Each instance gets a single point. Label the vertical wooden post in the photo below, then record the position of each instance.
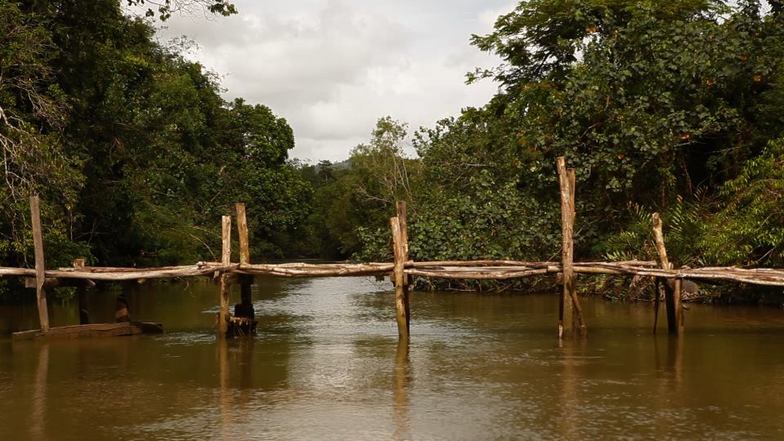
(121, 308)
(677, 292)
(40, 265)
(401, 291)
(81, 292)
(225, 284)
(242, 228)
(402, 216)
(246, 293)
(569, 310)
(672, 293)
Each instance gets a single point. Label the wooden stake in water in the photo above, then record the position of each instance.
(40, 266)
(672, 295)
(246, 281)
(401, 290)
(225, 283)
(569, 310)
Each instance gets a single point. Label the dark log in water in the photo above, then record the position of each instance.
(94, 330)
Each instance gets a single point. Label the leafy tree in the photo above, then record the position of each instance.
(749, 227)
(165, 8)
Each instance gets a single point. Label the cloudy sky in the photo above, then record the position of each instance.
(333, 67)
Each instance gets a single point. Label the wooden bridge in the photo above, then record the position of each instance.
(569, 321)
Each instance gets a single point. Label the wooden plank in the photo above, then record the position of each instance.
(225, 278)
(401, 293)
(40, 266)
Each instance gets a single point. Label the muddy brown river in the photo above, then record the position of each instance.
(326, 365)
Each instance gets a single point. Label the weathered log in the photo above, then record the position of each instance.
(672, 296)
(94, 330)
(401, 294)
(570, 312)
(242, 228)
(225, 279)
(40, 266)
(316, 270)
(245, 280)
(487, 275)
(402, 218)
(479, 263)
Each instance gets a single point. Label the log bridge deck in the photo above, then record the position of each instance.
(400, 271)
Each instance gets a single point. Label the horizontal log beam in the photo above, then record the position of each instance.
(476, 269)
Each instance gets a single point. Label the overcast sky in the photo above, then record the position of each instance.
(333, 67)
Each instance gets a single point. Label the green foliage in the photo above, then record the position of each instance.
(134, 152)
(660, 106)
(749, 227)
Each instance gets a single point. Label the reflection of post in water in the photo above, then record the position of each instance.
(570, 378)
(401, 382)
(231, 404)
(672, 364)
(224, 393)
(246, 365)
(38, 414)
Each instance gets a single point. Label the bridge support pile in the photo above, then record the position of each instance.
(570, 317)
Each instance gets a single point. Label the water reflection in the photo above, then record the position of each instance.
(38, 413)
(327, 365)
(402, 383)
(225, 401)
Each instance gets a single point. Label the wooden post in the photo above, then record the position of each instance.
(246, 297)
(671, 294)
(225, 283)
(242, 228)
(569, 310)
(40, 266)
(81, 291)
(402, 217)
(121, 308)
(677, 292)
(401, 290)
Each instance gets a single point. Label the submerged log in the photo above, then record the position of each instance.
(94, 330)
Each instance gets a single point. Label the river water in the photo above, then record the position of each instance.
(326, 365)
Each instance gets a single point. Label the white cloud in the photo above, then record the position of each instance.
(332, 67)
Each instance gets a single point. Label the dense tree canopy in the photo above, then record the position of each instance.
(660, 106)
(132, 148)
